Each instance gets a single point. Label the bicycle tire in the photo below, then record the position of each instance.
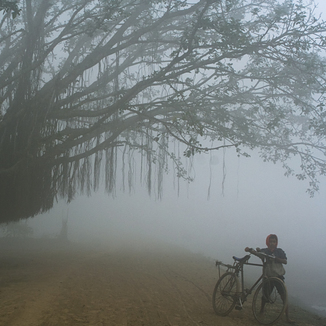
(225, 294)
(269, 301)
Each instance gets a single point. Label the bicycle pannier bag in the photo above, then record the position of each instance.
(274, 269)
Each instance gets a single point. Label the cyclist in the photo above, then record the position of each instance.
(274, 267)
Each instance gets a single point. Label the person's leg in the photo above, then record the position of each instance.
(282, 294)
(262, 307)
(287, 315)
(267, 290)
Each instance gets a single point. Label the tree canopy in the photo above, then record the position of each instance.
(87, 83)
(9, 6)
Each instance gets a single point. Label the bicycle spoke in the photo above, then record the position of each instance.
(225, 294)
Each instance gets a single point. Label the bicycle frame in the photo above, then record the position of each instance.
(246, 292)
(238, 269)
(268, 305)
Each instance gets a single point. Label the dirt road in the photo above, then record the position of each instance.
(148, 286)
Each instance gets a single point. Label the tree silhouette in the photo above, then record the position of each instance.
(9, 7)
(85, 84)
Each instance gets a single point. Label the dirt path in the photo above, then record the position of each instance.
(128, 287)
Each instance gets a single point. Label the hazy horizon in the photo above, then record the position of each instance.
(257, 200)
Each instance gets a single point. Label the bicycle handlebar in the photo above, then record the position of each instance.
(245, 259)
(260, 254)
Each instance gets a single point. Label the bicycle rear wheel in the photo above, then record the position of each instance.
(270, 300)
(225, 294)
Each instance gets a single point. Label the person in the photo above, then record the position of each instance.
(275, 268)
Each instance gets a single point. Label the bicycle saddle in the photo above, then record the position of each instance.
(243, 259)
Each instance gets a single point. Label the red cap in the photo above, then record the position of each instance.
(267, 239)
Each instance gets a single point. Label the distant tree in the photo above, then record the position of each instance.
(17, 230)
(63, 235)
(85, 84)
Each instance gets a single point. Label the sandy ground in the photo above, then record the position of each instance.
(44, 284)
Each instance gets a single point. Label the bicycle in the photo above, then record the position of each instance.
(270, 297)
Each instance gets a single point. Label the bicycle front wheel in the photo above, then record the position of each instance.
(225, 294)
(270, 300)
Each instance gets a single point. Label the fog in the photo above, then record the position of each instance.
(257, 199)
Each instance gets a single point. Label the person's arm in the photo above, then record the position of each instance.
(281, 260)
(278, 260)
(281, 257)
(247, 249)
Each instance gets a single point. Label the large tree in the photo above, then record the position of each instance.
(85, 83)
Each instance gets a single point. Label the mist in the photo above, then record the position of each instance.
(209, 218)
(232, 203)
